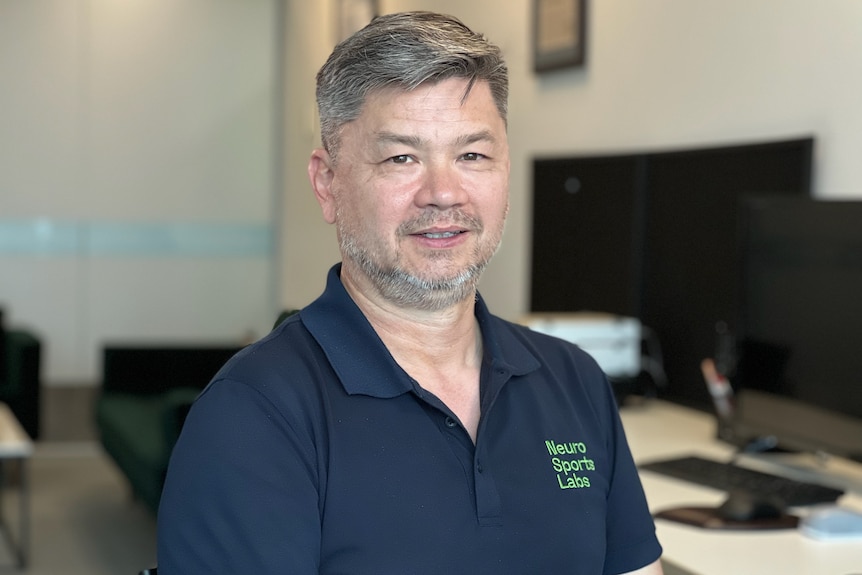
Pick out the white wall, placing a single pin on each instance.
(308, 246)
(137, 173)
(141, 112)
(662, 74)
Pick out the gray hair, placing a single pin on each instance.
(404, 50)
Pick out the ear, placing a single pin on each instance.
(321, 174)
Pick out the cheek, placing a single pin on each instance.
(380, 205)
(347, 197)
(357, 215)
(494, 198)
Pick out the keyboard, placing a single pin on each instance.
(729, 477)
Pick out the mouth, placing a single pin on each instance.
(441, 228)
(440, 235)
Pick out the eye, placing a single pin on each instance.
(400, 159)
(472, 156)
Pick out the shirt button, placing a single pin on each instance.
(479, 467)
(450, 423)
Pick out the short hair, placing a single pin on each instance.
(404, 50)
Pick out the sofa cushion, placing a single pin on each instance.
(139, 433)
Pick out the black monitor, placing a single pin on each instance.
(798, 376)
(651, 234)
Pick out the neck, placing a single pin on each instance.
(417, 337)
(441, 350)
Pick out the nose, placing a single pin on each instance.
(443, 188)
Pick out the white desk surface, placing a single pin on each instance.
(14, 441)
(657, 429)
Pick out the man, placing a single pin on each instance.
(394, 425)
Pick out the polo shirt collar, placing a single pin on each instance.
(364, 364)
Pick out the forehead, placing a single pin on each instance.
(432, 100)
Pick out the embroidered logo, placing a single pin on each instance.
(571, 463)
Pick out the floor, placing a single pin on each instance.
(83, 519)
(67, 413)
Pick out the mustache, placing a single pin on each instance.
(432, 217)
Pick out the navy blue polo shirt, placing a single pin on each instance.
(312, 452)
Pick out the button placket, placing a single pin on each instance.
(488, 506)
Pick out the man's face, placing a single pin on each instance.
(419, 192)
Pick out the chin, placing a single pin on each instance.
(430, 292)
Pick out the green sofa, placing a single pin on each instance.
(145, 395)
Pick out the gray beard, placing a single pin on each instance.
(406, 290)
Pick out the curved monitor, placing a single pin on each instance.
(799, 365)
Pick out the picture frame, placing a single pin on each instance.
(559, 34)
(353, 15)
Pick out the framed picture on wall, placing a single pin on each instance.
(353, 15)
(559, 34)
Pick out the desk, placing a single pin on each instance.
(16, 445)
(657, 429)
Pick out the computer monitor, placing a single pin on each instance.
(798, 376)
(650, 234)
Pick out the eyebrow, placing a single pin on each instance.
(386, 137)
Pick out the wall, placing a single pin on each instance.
(308, 245)
(663, 74)
(85, 115)
(137, 170)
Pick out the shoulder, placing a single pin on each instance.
(274, 356)
(284, 373)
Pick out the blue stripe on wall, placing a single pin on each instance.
(133, 239)
(39, 237)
